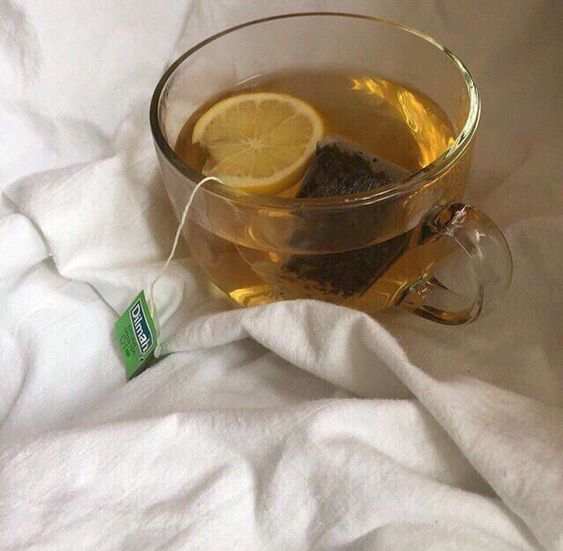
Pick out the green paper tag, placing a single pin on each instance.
(136, 336)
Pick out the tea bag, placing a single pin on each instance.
(340, 168)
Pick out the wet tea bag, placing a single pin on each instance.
(340, 168)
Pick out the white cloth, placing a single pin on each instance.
(295, 426)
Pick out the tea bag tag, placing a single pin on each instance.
(138, 328)
(136, 336)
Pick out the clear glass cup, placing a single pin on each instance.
(457, 260)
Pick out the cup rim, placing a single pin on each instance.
(425, 175)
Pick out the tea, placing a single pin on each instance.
(400, 128)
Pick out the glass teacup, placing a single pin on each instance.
(401, 244)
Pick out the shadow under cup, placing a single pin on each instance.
(368, 251)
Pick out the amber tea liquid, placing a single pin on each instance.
(383, 118)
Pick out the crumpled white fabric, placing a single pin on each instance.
(294, 426)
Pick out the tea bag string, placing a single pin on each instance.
(183, 219)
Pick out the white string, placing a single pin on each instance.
(152, 308)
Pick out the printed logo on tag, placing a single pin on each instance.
(136, 336)
(140, 326)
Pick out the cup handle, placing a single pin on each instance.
(485, 245)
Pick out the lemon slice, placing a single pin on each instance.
(258, 142)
